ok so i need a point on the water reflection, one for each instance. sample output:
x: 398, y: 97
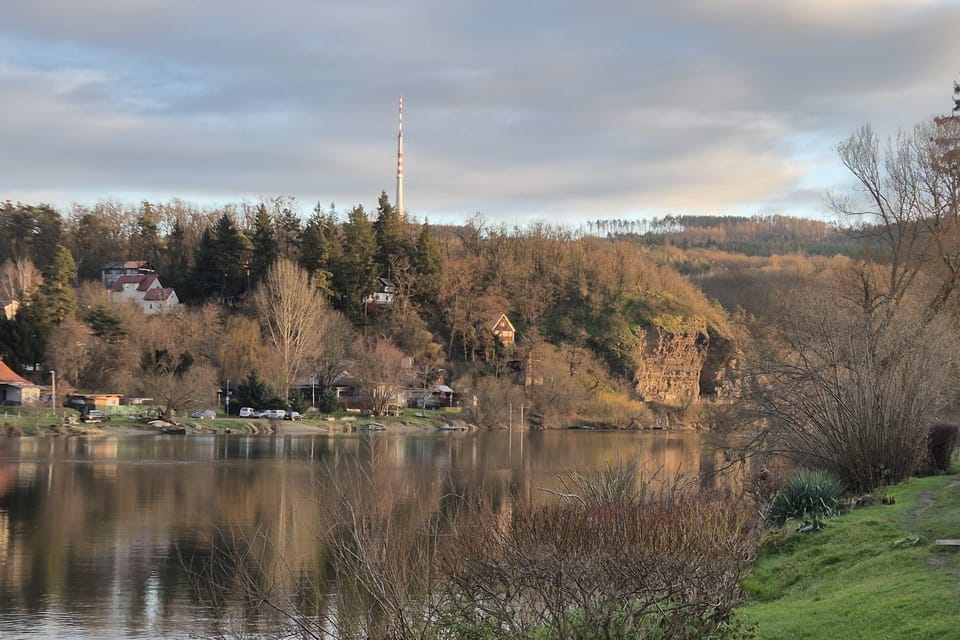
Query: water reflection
x: 95, y: 533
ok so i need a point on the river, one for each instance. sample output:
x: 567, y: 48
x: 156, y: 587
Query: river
x: 102, y: 537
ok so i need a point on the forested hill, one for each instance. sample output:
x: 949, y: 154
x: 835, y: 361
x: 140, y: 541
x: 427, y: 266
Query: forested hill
x: 592, y: 315
x: 752, y: 236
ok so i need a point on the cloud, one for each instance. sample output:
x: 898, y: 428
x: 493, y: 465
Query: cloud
x: 516, y: 110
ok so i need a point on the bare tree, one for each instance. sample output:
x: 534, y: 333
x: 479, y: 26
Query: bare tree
x: 19, y: 279
x: 177, y: 382
x: 68, y: 351
x: 856, y: 371
x: 380, y: 366
x: 908, y: 208
x: 288, y: 309
x: 851, y: 392
x: 332, y: 352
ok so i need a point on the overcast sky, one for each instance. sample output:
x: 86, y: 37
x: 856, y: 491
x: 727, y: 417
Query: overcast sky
x: 556, y: 110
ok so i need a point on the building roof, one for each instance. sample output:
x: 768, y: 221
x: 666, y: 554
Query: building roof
x: 158, y: 293
x: 494, y: 320
x: 9, y: 377
x: 129, y: 264
x: 143, y: 282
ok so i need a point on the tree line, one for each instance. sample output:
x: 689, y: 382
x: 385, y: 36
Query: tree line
x: 579, y: 304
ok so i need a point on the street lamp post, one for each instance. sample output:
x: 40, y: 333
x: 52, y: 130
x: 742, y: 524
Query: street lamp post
x: 53, y: 391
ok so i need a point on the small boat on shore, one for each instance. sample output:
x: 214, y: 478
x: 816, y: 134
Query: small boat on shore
x: 452, y: 427
x: 371, y: 426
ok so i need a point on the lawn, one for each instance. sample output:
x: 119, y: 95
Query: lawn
x: 873, y: 573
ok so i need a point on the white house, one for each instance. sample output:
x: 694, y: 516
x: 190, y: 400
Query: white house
x: 146, y: 291
x: 382, y: 293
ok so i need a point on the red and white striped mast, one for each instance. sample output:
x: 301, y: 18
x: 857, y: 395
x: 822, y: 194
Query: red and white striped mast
x: 400, y: 212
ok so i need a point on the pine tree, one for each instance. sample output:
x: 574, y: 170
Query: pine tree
x: 233, y: 249
x: 427, y: 261
x: 174, y: 267
x: 266, y: 250
x: 356, y: 272
x: 55, y: 297
x: 391, y: 244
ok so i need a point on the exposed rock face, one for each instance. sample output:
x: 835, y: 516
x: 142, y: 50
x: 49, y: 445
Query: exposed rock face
x: 677, y: 367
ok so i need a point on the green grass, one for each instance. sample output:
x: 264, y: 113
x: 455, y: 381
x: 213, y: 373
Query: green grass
x: 852, y: 580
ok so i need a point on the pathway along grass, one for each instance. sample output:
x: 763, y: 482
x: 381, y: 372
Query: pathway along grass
x: 874, y: 573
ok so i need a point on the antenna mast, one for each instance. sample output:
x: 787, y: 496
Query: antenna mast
x: 400, y: 212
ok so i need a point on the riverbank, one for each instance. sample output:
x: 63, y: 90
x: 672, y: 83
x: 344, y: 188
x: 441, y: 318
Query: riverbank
x: 875, y: 573
x: 27, y: 424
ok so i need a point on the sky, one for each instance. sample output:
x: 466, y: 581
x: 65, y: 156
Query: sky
x: 559, y: 111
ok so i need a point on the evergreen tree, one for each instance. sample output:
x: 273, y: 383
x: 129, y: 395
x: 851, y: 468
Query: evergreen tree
x: 56, y: 293
x: 391, y: 244
x: 28, y: 231
x: 174, y: 267
x: 427, y: 261
x: 288, y: 228
x: 318, y: 248
x: 23, y: 340
x: 105, y: 323
x: 207, y: 278
x: 266, y: 250
x: 91, y: 244
x: 254, y: 392
x: 232, y: 255
x: 146, y: 243
x: 356, y: 272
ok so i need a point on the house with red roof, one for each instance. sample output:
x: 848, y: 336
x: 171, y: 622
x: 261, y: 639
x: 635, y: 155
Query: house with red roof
x: 146, y: 291
x: 16, y: 390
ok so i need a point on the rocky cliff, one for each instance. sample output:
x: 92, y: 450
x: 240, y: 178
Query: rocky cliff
x: 678, y: 363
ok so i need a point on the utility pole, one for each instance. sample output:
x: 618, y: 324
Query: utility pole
x: 53, y: 391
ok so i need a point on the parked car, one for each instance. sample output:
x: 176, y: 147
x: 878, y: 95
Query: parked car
x: 273, y: 414
x: 95, y: 415
x: 204, y: 414
x: 293, y: 415
x: 247, y: 412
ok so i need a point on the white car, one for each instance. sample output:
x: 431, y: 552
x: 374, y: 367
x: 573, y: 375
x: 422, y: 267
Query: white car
x: 204, y: 414
x: 247, y: 412
x: 273, y: 414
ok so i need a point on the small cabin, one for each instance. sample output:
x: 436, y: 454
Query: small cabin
x: 16, y: 390
x: 501, y: 327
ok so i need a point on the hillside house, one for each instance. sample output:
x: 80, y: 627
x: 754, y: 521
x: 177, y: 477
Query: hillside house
x: 16, y: 390
x: 383, y: 292
x: 146, y: 291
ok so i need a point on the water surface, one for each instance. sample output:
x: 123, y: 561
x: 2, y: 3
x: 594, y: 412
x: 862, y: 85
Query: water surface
x: 97, y: 535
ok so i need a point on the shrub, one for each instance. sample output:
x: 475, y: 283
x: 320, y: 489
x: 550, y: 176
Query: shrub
x: 667, y: 567
x: 807, y: 496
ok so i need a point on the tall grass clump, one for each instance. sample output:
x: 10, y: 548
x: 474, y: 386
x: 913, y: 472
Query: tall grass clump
x: 807, y: 496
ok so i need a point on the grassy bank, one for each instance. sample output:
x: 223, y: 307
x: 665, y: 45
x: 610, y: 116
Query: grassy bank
x: 873, y: 573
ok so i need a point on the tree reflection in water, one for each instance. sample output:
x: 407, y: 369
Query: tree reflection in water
x: 96, y: 534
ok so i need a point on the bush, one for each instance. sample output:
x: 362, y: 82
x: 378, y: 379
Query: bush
x: 664, y: 568
x: 327, y: 401
x: 809, y: 496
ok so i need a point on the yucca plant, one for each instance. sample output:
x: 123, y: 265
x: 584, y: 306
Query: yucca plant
x: 808, y: 497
